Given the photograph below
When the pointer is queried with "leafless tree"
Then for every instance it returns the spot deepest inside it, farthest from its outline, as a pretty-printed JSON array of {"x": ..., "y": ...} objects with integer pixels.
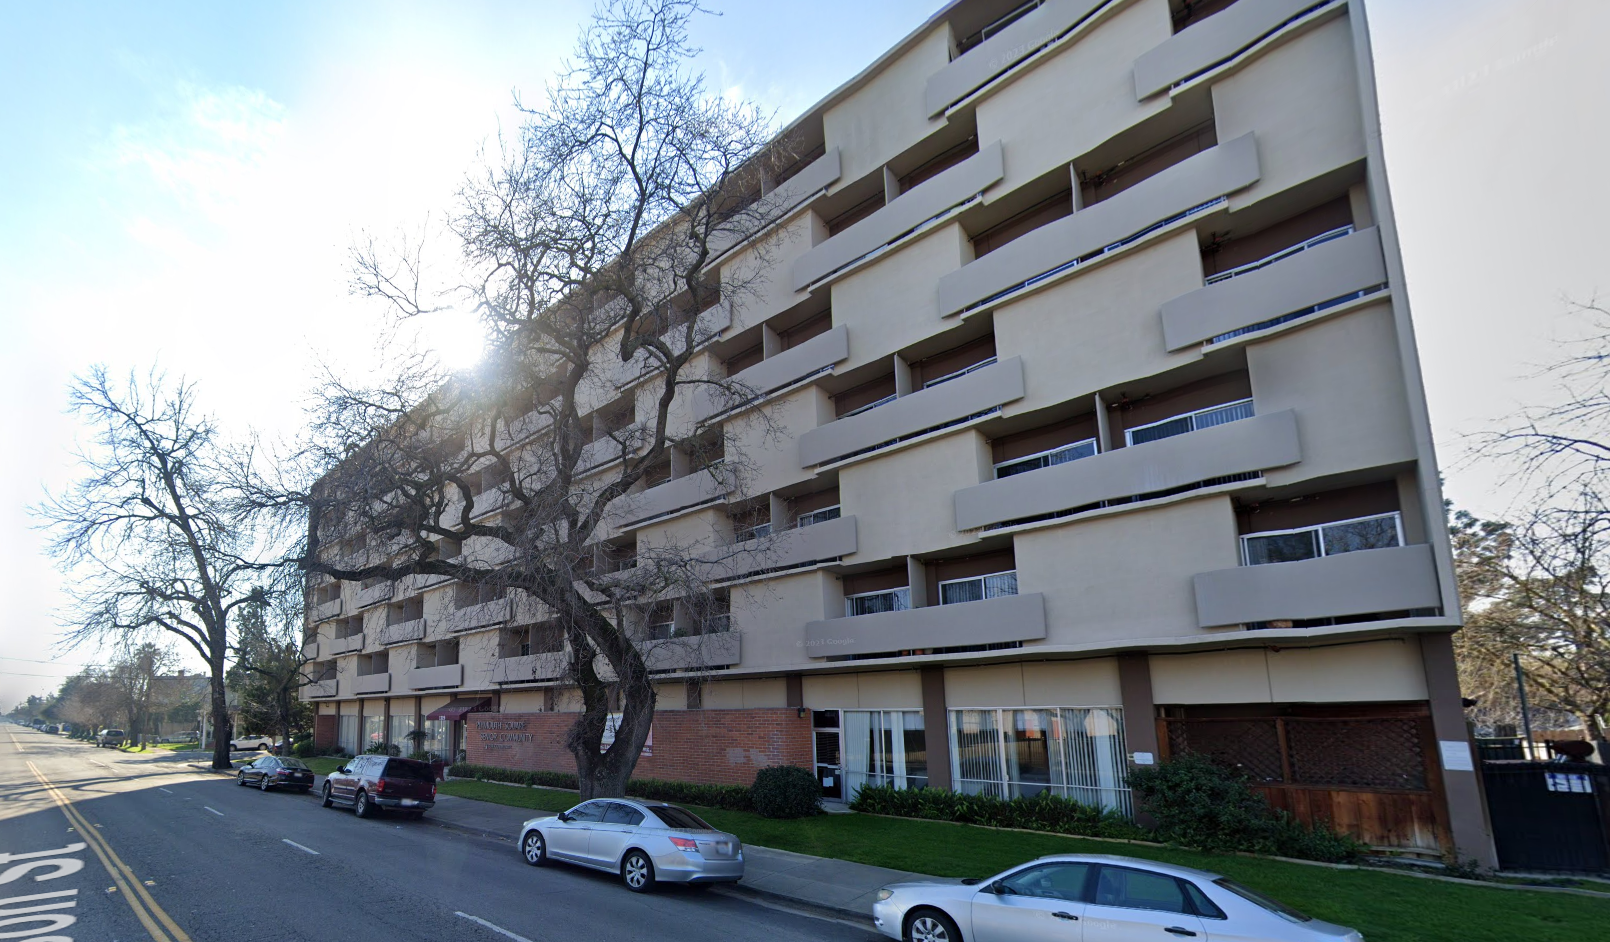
[
  {"x": 148, "y": 535},
  {"x": 1540, "y": 590},
  {"x": 590, "y": 246}
]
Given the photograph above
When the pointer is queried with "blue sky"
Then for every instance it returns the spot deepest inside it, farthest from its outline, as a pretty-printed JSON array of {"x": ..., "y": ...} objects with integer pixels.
[{"x": 179, "y": 183}]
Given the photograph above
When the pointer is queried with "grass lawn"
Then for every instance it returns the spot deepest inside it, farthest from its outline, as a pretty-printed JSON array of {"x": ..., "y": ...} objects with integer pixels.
[
  {"x": 177, "y": 746},
  {"x": 1385, "y": 907},
  {"x": 324, "y": 765}
]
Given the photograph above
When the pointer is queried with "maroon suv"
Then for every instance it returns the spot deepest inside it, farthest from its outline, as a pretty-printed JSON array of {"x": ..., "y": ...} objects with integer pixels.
[{"x": 370, "y": 783}]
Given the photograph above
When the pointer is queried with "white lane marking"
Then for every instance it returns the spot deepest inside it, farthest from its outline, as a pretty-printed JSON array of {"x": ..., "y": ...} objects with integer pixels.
[
  {"x": 161, "y": 789},
  {"x": 214, "y": 811},
  {"x": 498, "y": 929},
  {"x": 300, "y": 846}
]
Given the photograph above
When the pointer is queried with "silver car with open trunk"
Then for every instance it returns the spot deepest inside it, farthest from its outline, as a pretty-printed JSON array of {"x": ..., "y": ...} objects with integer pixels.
[{"x": 645, "y": 842}]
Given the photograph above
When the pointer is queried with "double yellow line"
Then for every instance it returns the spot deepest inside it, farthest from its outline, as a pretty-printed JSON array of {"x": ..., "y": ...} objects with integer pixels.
[{"x": 157, "y": 922}]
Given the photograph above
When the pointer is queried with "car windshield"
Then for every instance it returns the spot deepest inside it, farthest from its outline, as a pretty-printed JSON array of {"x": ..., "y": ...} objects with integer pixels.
[
  {"x": 407, "y": 768},
  {"x": 292, "y": 763},
  {"x": 675, "y": 817},
  {"x": 1273, "y": 905}
]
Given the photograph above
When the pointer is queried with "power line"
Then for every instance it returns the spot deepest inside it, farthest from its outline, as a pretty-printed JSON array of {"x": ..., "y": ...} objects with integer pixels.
[
  {"x": 18, "y": 674},
  {"x": 33, "y": 661}
]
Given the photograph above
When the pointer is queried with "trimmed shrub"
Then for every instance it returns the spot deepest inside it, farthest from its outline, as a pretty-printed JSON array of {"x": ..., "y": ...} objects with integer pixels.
[
  {"x": 1042, "y": 812},
  {"x": 726, "y": 797},
  {"x": 1201, "y": 804},
  {"x": 303, "y": 749},
  {"x": 786, "y": 791}
]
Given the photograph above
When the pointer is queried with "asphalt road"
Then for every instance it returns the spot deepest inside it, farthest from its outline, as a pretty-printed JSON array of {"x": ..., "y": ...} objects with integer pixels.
[{"x": 97, "y": 845}]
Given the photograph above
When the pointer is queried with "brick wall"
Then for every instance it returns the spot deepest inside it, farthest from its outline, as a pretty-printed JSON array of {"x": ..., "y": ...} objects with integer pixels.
[
  {"x": 716, "y": 747},
  {"x": 325, "y": 731}
]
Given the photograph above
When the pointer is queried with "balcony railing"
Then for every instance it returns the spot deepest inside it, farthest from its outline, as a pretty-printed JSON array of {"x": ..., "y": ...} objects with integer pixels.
[
  {"x": 346, "y": 644},
  {"x": 529, "y": 668},
  {"x": 1015, "y": 37},
  {"x": 320, "y": 688},
  {"x": 375, "y": 594},
  {"x": 773, "y": 373},
  {"x": 404, "y": 631},
  {"x": 1221, "y": 37},
  {"x": 921, "y": 412},
  {"x": 1193, "y": 185},
  {"x": 372, "y": 683},
  {"x": 786, "y": 549},
  {"x": 694, "y": 652},
  {"x": 442, "y": 675},
  {"x": 1001, "y": 620},
  {"x": 810, "y": 181},
  {"x": 1171, "y": 464},
  {"x": 1321, "y": 273},
  {"x": 700, "y": 487},
  {"x": 480, "y": 615},
  {"x": 325, "y": 611},
  {"x": 310, "y": 650},
  {"x": 1396, "y": 579}
]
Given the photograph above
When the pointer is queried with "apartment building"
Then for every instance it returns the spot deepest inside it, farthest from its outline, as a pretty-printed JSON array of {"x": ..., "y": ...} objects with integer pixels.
[{"x": 1106, "y": 441}]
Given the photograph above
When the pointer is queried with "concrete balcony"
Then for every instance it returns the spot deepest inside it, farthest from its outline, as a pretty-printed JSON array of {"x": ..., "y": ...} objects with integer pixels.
[
  {"x": 529, "y": 668},
  {"x": 310, "y": 650},
  {"x": 998, "y": 54},
  {"x": 404, "y": 631},
  {"x": 911, "y": 415},
  {"x": 348, "y": 645},
  {"x": 419, "y": 582},
  {"x": 444, "y": 675},
  {"x": 1334, "y": 269},
  {"x": 532, "y": 423},
  {"x": 320, "y": 688},
  {"x": 1247, "y": 445},
  {"x": 484, "y": 615},
  {"x": 786, "y": 549},
  {"x": 372, "y": 683},
  {"x": 694, "y": 652},
  {"x": 897, "y": 219},
  {"x": 375, "y": 594},
  {"x": 991, "y": 621},
  {"x": 700, "y": 487},
  {"x": 327, "y": 611},
  {"x": 707, "y": 327},
  {"x": 1219, "y": 38},
  {"x": 1397, "y": 579},
  {"x": 773, "y": 373},
  {"x": 809, "y": 182},
  {"x": 1058, "y": 247}
]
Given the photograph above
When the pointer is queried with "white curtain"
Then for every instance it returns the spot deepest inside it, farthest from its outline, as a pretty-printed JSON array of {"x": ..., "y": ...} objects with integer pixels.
[
  {"x": 347, "y": 737},
  {"x": 857, "y": 750}
]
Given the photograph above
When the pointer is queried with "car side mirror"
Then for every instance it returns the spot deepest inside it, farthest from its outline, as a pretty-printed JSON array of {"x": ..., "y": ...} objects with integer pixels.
[
  {"x": 563, "y": 817},
  {"x": 344, "y": 770},
  {"x": 999, "y": 888}
]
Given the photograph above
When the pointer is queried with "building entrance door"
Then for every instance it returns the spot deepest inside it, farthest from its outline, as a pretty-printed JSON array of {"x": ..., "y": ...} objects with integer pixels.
[{"x": 829, "y": 743}]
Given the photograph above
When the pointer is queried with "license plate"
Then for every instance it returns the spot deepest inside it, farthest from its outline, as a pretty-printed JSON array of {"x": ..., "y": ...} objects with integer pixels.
[
  {"x": 723, "y": 847},
  {"x": 409, "y": 802}
]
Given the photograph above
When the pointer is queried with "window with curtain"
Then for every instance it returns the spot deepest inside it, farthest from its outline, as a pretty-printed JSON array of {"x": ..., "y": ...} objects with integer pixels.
[
  {"x": 401, "y": 726},
  {"x": 884, "y": 747},
  {"x": 374, "y": 730},
  {"x": 978, "y": 588},
  {"x": 435, "y": 738},
  {"x": 1073, "y": 752},
  {"x": 347, "y": 734}
]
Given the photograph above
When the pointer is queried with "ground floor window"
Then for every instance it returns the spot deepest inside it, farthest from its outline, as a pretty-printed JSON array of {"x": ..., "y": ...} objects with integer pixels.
[
  {"x": 1074, "y": 752},
  {"x": 401, "y": 726},
  {"x": 347, "y": 734},
  {"x": 374, "y": 731},
  {"x": 884, "y": 747},
  {"x": 435, "y": 738}
]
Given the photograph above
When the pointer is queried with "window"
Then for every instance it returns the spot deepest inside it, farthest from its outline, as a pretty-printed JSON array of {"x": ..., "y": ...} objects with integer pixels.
[
  {"x": 674, "y": 817},
  {"x": 1381, "y": 531},
  {"x": 1282, "y": 254},
  {"x": 1073, "y": 752},
  {"x": 1253, "y": 896},
  {"x": 753, "y": 532},
  {"x": 401, "y": 726},
  {"x": 959, "y": 373},
  {"x": 884, "y": 747},
  {"x": 623, "y": 814},
  {"x": 869, "y": 406},
  {"x": 978, "y": 588},
  {"x": 591, "y": 812},
  {"x": 374, "y": 730},
  {"x": 1190, "y": 422},
  {"x": 813, "y": 517},
  {"x": 435, "y": 738},
  {"x": 1050, "y": 881},
  {"x": 347, "y": 733},
  {"x": 660, "y": 623},
  {"x": 1046, "y": 459},
  {"x": 1139, "y": 889},
  {"x": 871, "y": 603}
]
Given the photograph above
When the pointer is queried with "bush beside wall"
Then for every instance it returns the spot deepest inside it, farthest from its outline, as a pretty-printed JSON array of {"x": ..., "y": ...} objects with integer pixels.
[
  {"x": 1043, "y": 812},
  {"x": 727, "y": 797}
]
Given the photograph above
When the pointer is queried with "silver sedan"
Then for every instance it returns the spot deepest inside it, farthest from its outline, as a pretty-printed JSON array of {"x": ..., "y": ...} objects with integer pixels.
[
  {"x": 644, "y": 842},
  {"x": 1094, "y": 898}
]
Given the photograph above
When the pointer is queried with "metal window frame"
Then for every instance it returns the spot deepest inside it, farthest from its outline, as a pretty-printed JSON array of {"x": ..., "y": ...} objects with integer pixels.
[
  {"x": 1319, "y": 530},
  {"x": 984, "y": 587},
  {"x": 1129, "y": 433},
  {"x": 904, "y": 599},
  {"x": 1046, "y": 454}
]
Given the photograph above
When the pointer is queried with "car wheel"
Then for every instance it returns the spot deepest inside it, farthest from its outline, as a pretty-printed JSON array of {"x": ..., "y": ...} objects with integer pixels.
[
  {"x": 262, "y": 783},
  {"x": 534, "y": 849},
  {"x": 262, "y": 746},
  {"x": 637, "y": 872},
  {"x": 328, "y": 799},
  {"x": 931, "y": 925},
  {"x": 240, "y": 778},
  {"x": 361, "y": 806}
]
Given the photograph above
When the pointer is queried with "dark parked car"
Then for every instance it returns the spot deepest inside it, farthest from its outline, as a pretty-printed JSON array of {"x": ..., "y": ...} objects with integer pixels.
[
  {"x": 372, "y": 783},
  {"x": 270, "y": 772}
]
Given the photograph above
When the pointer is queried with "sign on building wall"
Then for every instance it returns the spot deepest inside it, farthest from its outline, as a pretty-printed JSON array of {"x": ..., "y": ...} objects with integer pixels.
[{"x": 495, "y": 735}]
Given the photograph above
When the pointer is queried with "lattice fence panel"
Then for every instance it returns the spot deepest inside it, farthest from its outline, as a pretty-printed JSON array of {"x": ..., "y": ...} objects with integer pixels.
[
  {"x": 1250, "y": 744},
  {"x": 1364, "y": 753}
]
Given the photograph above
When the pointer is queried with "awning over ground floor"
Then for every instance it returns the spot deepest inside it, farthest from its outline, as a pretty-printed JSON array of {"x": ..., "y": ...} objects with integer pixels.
[{"x": 456, "y": 708}]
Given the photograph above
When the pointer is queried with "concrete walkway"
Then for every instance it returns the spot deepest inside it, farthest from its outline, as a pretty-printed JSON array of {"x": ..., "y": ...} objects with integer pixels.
[{"x": 839, "y": 886}]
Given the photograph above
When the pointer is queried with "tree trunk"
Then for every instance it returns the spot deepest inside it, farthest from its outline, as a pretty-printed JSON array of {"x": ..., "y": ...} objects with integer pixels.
[{"x": 220, "y": 719}]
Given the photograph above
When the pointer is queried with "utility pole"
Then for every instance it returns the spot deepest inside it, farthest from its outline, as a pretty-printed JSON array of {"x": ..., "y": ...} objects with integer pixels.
[{"x": 1526, "y": 713}]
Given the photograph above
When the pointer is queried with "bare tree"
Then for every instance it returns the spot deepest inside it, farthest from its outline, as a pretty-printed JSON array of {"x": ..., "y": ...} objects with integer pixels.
[
  {"x": 148, "y": 534},
  {"x": 590, "y": 246},
  {"x": 1540, "y": 590}
]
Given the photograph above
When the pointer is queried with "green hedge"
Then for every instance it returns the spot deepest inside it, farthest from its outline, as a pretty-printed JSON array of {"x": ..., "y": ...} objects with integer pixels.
[
  {"x": 1043, "y": 812},
  {"x": 727, "y": 797}
]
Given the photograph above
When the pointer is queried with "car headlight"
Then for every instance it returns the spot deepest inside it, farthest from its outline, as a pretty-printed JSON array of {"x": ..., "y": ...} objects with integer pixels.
[{"x": 884, "y": 894}]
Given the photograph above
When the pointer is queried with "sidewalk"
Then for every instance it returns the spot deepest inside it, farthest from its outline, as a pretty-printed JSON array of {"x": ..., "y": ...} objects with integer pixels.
[{"x": 839, "y": 886}]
